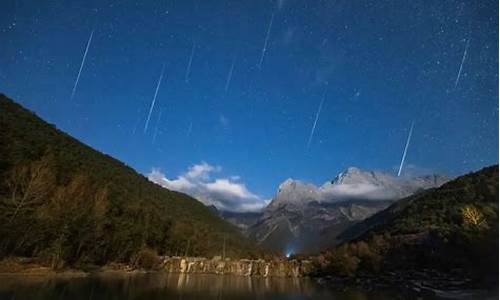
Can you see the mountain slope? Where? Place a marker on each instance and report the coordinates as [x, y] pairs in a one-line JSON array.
[[434, 209], [453, 229], [304, 218], [242, 220], [65, 202]]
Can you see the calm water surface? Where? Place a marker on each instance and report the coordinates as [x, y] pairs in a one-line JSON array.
[[170, 286]]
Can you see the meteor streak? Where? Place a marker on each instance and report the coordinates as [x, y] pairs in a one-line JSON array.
[[229, 76], [316, 120], [264, 48], [151, 107], [406, 149], [188, 68], [82, 63], [462, 63]]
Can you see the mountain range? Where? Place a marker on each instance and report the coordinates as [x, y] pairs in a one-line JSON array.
[[304, 218]]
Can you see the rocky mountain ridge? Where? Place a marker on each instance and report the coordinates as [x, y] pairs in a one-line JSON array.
[[303, 217]]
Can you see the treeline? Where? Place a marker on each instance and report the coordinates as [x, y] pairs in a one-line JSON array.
[[451, 229], [66, 204]]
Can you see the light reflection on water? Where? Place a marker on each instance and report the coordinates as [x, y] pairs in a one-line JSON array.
[[169, 286]]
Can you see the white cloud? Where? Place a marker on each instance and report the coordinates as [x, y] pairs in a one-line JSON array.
[[201, 171], [181, 183], [366, 191], [225, 186], [224, 193]]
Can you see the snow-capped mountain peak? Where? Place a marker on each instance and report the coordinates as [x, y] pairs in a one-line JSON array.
[[353, 184], [294, 192], [355, 175], [299, 210]]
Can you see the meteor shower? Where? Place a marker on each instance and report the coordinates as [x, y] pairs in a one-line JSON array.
[[236, 149]]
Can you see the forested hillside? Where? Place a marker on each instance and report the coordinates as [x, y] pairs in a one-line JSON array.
[[453, 229], [66, 203]]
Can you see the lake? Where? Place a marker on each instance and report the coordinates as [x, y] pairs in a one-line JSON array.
[[170, 286]]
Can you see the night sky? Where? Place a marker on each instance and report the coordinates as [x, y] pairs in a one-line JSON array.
[[254, 92]]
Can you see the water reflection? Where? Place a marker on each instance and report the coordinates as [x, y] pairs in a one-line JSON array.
[[169, 286]]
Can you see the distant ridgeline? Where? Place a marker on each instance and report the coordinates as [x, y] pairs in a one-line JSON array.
[[65, 203], [452, 229]]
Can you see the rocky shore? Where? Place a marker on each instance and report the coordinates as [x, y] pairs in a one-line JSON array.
[[286, 268], [240, 267], [424, 283]]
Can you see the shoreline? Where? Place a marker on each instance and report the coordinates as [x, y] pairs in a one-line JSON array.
[[20, 266], [428, 283]]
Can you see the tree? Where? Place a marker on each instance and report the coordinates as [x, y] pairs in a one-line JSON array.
[[29, 186], [473, 217], [370, 259]]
